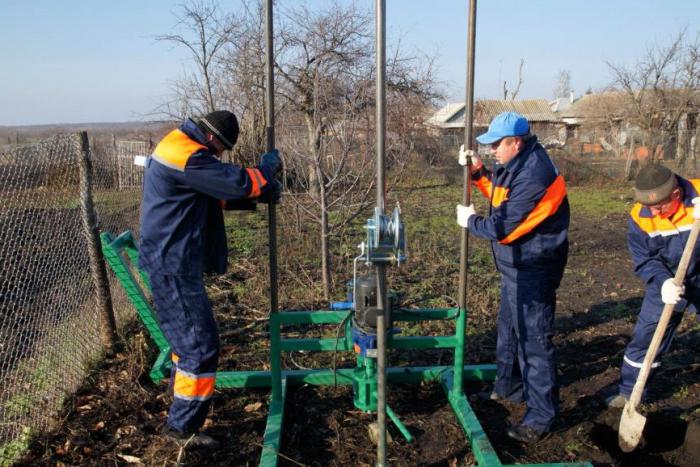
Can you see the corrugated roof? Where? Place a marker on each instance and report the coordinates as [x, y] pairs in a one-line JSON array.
[[591, 105], [619, 103], [452, 115], [446, 113], [535, 110]]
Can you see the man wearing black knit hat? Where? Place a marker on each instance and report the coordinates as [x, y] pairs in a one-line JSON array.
[[182, 237], [659, 226]]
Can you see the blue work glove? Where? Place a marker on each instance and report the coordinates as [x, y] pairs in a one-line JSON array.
[[272, 192], [271, 163]]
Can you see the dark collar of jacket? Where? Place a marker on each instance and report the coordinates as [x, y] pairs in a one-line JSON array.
[[530, 143], [191, 129]]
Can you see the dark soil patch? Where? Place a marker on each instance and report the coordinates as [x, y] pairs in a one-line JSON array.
[[597, 305]]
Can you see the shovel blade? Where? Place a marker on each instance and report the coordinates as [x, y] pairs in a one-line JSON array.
[[631, 428]]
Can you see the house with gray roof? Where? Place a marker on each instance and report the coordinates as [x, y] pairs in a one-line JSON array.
[[449, 120]]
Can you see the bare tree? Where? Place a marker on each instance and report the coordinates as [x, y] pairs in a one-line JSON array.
[[326, 69], [514, 93], [562, 85], [660, 91], [205, 33]]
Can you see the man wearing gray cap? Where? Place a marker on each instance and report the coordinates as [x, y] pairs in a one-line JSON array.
[[658, 228]]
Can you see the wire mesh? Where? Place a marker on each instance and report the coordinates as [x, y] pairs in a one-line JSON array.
[[49, 326]]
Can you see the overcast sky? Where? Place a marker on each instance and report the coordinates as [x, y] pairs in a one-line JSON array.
[[78, 61]]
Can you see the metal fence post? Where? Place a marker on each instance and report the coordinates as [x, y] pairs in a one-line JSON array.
[[98, 270]]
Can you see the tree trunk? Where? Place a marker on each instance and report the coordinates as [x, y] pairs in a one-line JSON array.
[[314, 148], [630, 159], [325, 249]]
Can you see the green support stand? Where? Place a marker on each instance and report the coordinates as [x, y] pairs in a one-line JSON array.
[[362, 377]]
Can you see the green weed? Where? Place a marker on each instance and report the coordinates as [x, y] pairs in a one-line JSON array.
[[12, 450], [573, 447], [682, 393], [599, 201]]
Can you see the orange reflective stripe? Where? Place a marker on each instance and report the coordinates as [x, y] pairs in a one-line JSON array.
[[174, 358], [681, 221], [189, 386], [484, 186], [257, 182], [174, 150], [500, 194], [548, 205]]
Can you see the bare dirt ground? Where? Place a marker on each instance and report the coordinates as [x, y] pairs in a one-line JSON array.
[[114, 419]]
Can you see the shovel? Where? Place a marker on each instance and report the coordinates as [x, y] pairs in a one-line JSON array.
[[632, 422]]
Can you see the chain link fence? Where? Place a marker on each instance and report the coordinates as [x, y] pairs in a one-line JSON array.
[[49, 323]]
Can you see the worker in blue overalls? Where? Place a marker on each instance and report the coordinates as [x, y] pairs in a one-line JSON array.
[[527, 225], [658, 229], [185, 188]]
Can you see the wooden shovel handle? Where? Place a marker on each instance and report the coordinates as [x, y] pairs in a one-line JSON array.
[[636, 396]]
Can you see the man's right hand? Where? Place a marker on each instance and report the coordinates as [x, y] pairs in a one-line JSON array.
[[476, 160], [272, 194], [272, 162]]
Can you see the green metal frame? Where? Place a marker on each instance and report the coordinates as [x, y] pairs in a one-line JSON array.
[[118, 250]]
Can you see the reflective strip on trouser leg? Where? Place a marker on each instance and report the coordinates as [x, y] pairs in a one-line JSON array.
[[649, 316], [189, 386], [186, 318], [532, 304], [508, 380]]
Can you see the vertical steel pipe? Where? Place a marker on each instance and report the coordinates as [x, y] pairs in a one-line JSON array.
[[466, 197], [382, 305], [275, 366], [381, 100]]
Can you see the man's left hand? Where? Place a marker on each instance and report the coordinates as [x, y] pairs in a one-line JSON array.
[[464, 213], [272, 162]]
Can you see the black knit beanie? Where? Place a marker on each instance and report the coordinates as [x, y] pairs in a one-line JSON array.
[[223, 124], [654, 184]]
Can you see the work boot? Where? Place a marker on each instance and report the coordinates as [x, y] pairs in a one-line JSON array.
[[616, 401], [194, 440], [496, 397], [489, 396], [525, 434]]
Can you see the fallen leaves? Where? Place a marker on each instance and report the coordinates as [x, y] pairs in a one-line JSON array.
[[130, 459], [254, 407]]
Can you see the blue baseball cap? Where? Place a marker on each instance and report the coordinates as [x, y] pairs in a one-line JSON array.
[[503, 125]]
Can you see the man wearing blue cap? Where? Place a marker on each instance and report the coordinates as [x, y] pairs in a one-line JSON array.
[[527, 225]]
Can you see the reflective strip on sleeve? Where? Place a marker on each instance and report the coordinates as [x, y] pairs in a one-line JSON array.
[[484, 186], [548, 205], [257, 182], [189, 386]]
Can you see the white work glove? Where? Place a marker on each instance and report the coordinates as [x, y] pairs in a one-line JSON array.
[[696, 209], [670, 292], [476, 160], [464, 213]]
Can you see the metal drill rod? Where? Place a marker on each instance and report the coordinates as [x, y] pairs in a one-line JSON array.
[[275, 366], [466, 196], [382, 305]]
